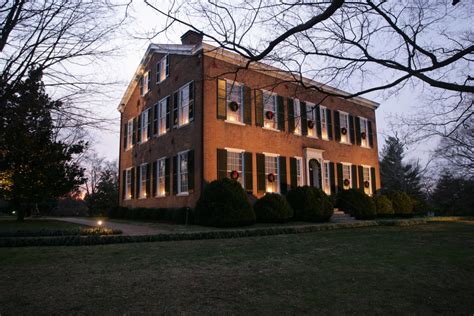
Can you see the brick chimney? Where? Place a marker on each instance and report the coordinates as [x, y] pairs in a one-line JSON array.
[[191, 38]]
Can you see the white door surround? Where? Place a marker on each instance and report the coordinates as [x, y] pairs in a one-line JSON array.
[[312, 153]]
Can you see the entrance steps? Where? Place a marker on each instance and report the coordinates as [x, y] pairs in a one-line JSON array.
[[341, 217]]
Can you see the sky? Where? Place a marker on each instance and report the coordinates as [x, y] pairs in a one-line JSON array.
[[122, 67]]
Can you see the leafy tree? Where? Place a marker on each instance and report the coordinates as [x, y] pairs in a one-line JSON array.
[[34, 167], [395, 174], [454, 195], [105, 196]]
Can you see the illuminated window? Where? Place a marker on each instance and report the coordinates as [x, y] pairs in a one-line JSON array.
[[346, 175], [344, 121], [367, 180], [364, 132], [324, 122], [145, 122], [142, 181], [271, 174], [311, 119], [183, 172], [128, 184], [270, 110], [145, 83], [130, 134], [235, 92], [183, 105], [162, 113], [235, 163], [299, 171], [326, 178], [162, 69], [297, 115], [160, 176]]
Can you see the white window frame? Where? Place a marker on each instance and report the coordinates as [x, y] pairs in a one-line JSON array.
[[299, 171], [240, 86], [277, 176], [144, 126], [368, 190], [181, 120], [323, 113], [129, 134], [128, 184], [182, 192], [162, 66], [348, 165], [266, 122], [311, 110], [364, 127], [142, 182], [345, 139], [241, 178], [326, 177], [160, 177], [145, 79], [162, 120], [297, 116]]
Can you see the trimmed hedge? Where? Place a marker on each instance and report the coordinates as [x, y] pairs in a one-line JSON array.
[[356, 203], [273, 208], [310, 204], [224, 203], [383, 206], [402, 204], [88, 231], [175, 215]]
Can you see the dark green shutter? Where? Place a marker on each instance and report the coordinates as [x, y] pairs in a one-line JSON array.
[[332, 177], [371, 140], [175, 110], [340, 180], [293, 172], [329, 123], [372, 180], [258, 108], [337, 126], [357, 131], [167, 176], [248, 168], [221, 163], [191, 101], [361, 177], [221, 99], [304, 121], [149, 80], [283, 178], [281, 113], [260, 172], [167, 67], [191, 170], [175, 175], [132, 193], [351, 129], [318, 121], [156, 111], [354, 176], [139, 129], [154, 178], [247, 106], [149, 123], [125, 132], [134, 130], [148, 177], [168, 113], [291, 115], [124, 183]]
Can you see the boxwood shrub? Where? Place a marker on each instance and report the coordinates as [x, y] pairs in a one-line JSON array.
[[383, 206], [402, 204], [273, 208], [310, 204], [356, 203], [224, 203]]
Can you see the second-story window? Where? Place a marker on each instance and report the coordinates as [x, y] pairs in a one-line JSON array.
[[234, 101], [162, 69], [129, 133], [297, 115], [270, 110], [344, 121], [324, 122], [183, 107], [163, 114], [364, 132], [145, 125], [311, 119]]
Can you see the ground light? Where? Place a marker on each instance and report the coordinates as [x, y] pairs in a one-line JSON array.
[[99, 223]]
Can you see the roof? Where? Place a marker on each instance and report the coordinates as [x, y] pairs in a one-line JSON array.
[[225, 55]]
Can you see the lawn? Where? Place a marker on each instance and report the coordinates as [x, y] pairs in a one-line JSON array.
[[10, 224], [422, 269]]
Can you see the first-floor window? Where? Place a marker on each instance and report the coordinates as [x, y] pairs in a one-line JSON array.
[[235, 166], [128, 184], [160, 177], [271, 174], [183, 172], [299, 171], [142, 181], [367, 180], [346, 176], [327, 178]]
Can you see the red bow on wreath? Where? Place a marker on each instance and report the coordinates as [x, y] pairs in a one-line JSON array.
[[363, 135], [366, 184], [346, 182], [310, 124], [234, 174], [271, 177], [269, 115], [234, 106], [343, 131]]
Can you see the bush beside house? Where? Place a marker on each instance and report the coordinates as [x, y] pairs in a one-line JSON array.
[[383, 206], [310, 204], [356, 203], [273, 208], [402, 204]]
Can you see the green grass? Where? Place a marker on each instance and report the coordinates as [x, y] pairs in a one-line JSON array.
[[10, 224], [423, 269]]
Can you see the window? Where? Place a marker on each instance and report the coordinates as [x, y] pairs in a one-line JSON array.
[[162, 113], [183, 172], [364, 132], [299, 171], [162, 69], [130, 134], [128, 184], [271, 174], [145, 83], [297, 115], [145, 122], [326, 178], [160, 177], [346, 175], [367, 180], [142, 181], [269, 110], [235, 163], [235, 95], [183, 109], [324, 122], [311, 117], [344, 120]]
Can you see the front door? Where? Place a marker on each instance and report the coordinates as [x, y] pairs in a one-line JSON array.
[[315, 173]]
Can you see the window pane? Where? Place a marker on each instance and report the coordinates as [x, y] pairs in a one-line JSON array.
[[162, 117], [311, 119], [271, 167], [183, 172], [234, 163], [324, 129], [184, 105], [269, 110], [234, 94], [297, 111]]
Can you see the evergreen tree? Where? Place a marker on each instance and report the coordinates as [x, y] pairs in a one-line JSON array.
[[105, 197], [395, 174], [34, 167], [454, 195]]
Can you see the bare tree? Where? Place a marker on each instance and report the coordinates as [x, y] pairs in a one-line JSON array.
[[358, 46]]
